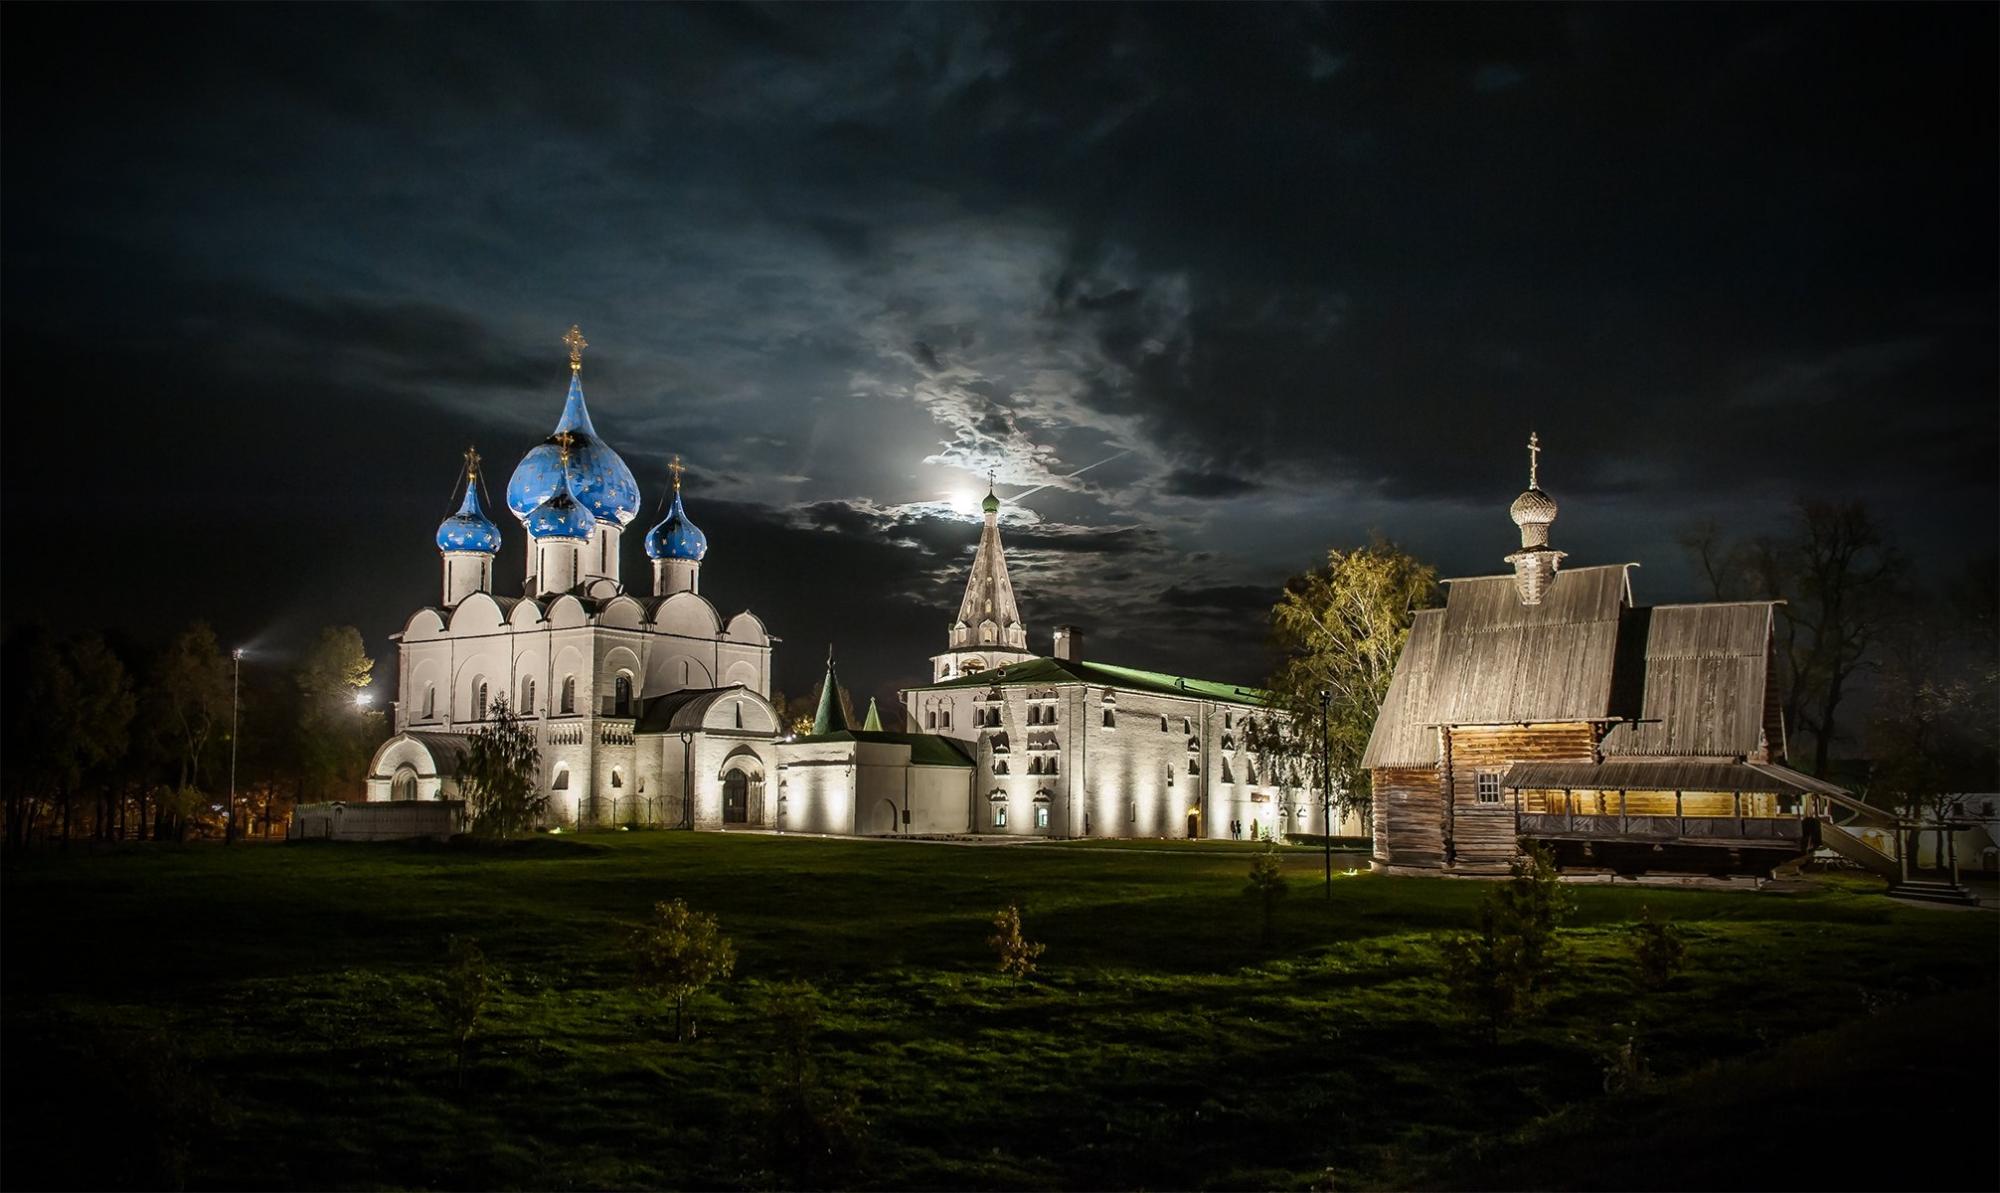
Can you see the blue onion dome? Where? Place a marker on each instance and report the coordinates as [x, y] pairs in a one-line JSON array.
[[469, 529], [676, 537], [595, 476], [560, 517]]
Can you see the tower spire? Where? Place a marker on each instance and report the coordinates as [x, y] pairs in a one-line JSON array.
[[574, 338], [829, 718]]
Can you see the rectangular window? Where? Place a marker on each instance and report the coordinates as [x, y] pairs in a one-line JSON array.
[[1488, 786], [999, 815], [1041, 817], [1111, 718]]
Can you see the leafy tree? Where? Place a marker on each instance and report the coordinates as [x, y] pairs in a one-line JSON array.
[[192, 680], [101, 721], [497, 775], [1016, 953], [335, 737], [461, 996], [812, 1131], [1340, 629], [1659, 947], [1267, 884], [677, 953]]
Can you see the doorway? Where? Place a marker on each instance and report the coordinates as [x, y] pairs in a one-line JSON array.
[[736, 798], [1194, 824], [885, 818]]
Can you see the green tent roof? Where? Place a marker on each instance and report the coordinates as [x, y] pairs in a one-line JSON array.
[[1059, 671], [830, 718], [873, 721]]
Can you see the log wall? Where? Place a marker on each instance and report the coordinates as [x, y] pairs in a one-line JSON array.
[[1483, 836], [1409, 817]]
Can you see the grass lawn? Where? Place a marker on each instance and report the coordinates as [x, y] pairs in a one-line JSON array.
[[260, 1018]]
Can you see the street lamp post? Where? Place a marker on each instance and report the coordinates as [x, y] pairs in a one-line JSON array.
[[235, 703], [1325, 793]]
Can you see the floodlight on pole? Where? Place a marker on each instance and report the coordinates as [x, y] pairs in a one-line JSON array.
[[1325, 792], [235, 705], [363, 698]]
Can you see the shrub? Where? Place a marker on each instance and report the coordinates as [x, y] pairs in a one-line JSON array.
[[1626, 1069], [677, 953], [1659, 947], [1484, 972], [1016, 953], [1497, 971], [460, 997], [812, 1130], [1267, 885]]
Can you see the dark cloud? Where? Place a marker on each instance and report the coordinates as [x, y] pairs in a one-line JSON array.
[[1208, 288]]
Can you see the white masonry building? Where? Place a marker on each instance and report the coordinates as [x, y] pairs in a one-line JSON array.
[[648, 708]]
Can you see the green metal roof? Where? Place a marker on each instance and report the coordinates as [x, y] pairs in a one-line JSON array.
[[926, 749], [1059, 671]]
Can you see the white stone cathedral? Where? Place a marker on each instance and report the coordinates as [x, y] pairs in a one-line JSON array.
[[654, 709], [648, 708]]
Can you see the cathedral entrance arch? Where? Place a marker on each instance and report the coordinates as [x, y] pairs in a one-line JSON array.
[[884, 818], [736, 798], [1194, 824], [742, 788]]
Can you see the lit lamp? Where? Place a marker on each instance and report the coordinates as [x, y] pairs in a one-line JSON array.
[[235, 704], [363, 698]]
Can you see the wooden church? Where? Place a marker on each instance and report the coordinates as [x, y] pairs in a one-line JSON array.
[[1546, 707]]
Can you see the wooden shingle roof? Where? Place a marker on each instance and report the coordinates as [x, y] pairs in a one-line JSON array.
[[1487, 659], [1705, 673]]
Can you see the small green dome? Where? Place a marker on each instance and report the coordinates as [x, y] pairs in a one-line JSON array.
[[992, 504]]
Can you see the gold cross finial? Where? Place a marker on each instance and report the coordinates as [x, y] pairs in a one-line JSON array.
[[676, 468], [472, 463], [1534, 460], [562, 441], [574, 338]]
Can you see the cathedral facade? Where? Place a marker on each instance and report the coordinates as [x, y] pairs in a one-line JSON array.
[[647, 708]]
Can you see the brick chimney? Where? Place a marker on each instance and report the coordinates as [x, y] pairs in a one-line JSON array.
[[1069, 644]]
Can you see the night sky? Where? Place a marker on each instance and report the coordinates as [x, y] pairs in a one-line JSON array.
[[1295, 274]]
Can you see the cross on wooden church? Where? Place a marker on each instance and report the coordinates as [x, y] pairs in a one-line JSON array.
[[1534, 460]]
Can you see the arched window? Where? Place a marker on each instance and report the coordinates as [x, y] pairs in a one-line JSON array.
[[569, 694], [1163, 723], [617, 777], [528, 697], [687, 673], [1194, 767], [1000, 766], [1049, 714], [944, 717], [1034, 766], [1186, 725], [930, 718], [430, 701], [1225, 772], [479, 699], [1049, 768], [738, 707], [561, 780], [1111, 718], [621, 696]]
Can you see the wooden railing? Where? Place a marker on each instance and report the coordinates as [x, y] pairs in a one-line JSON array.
[[1793, 831]]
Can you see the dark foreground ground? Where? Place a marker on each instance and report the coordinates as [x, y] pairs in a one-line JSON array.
[[261, 1018]]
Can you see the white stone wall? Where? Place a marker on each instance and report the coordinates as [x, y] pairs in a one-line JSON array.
[[1127, 779]]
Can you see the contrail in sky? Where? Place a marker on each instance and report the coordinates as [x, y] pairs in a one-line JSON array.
[[1079, 472]]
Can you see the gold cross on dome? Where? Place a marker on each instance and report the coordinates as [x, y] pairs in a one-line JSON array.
[[472, 462], [1534, 460], [562, 441], [676, 467], [574, 338]]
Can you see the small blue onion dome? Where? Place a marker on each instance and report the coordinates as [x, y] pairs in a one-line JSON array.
[[596, 476], [676, 537], [560, 517], [469, 529]]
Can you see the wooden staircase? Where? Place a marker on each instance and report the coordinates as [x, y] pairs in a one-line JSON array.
[[1932, 892]]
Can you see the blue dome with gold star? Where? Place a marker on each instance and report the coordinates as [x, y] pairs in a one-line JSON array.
[[469, 529], [676, 537], [560, 517], [596, 476]]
